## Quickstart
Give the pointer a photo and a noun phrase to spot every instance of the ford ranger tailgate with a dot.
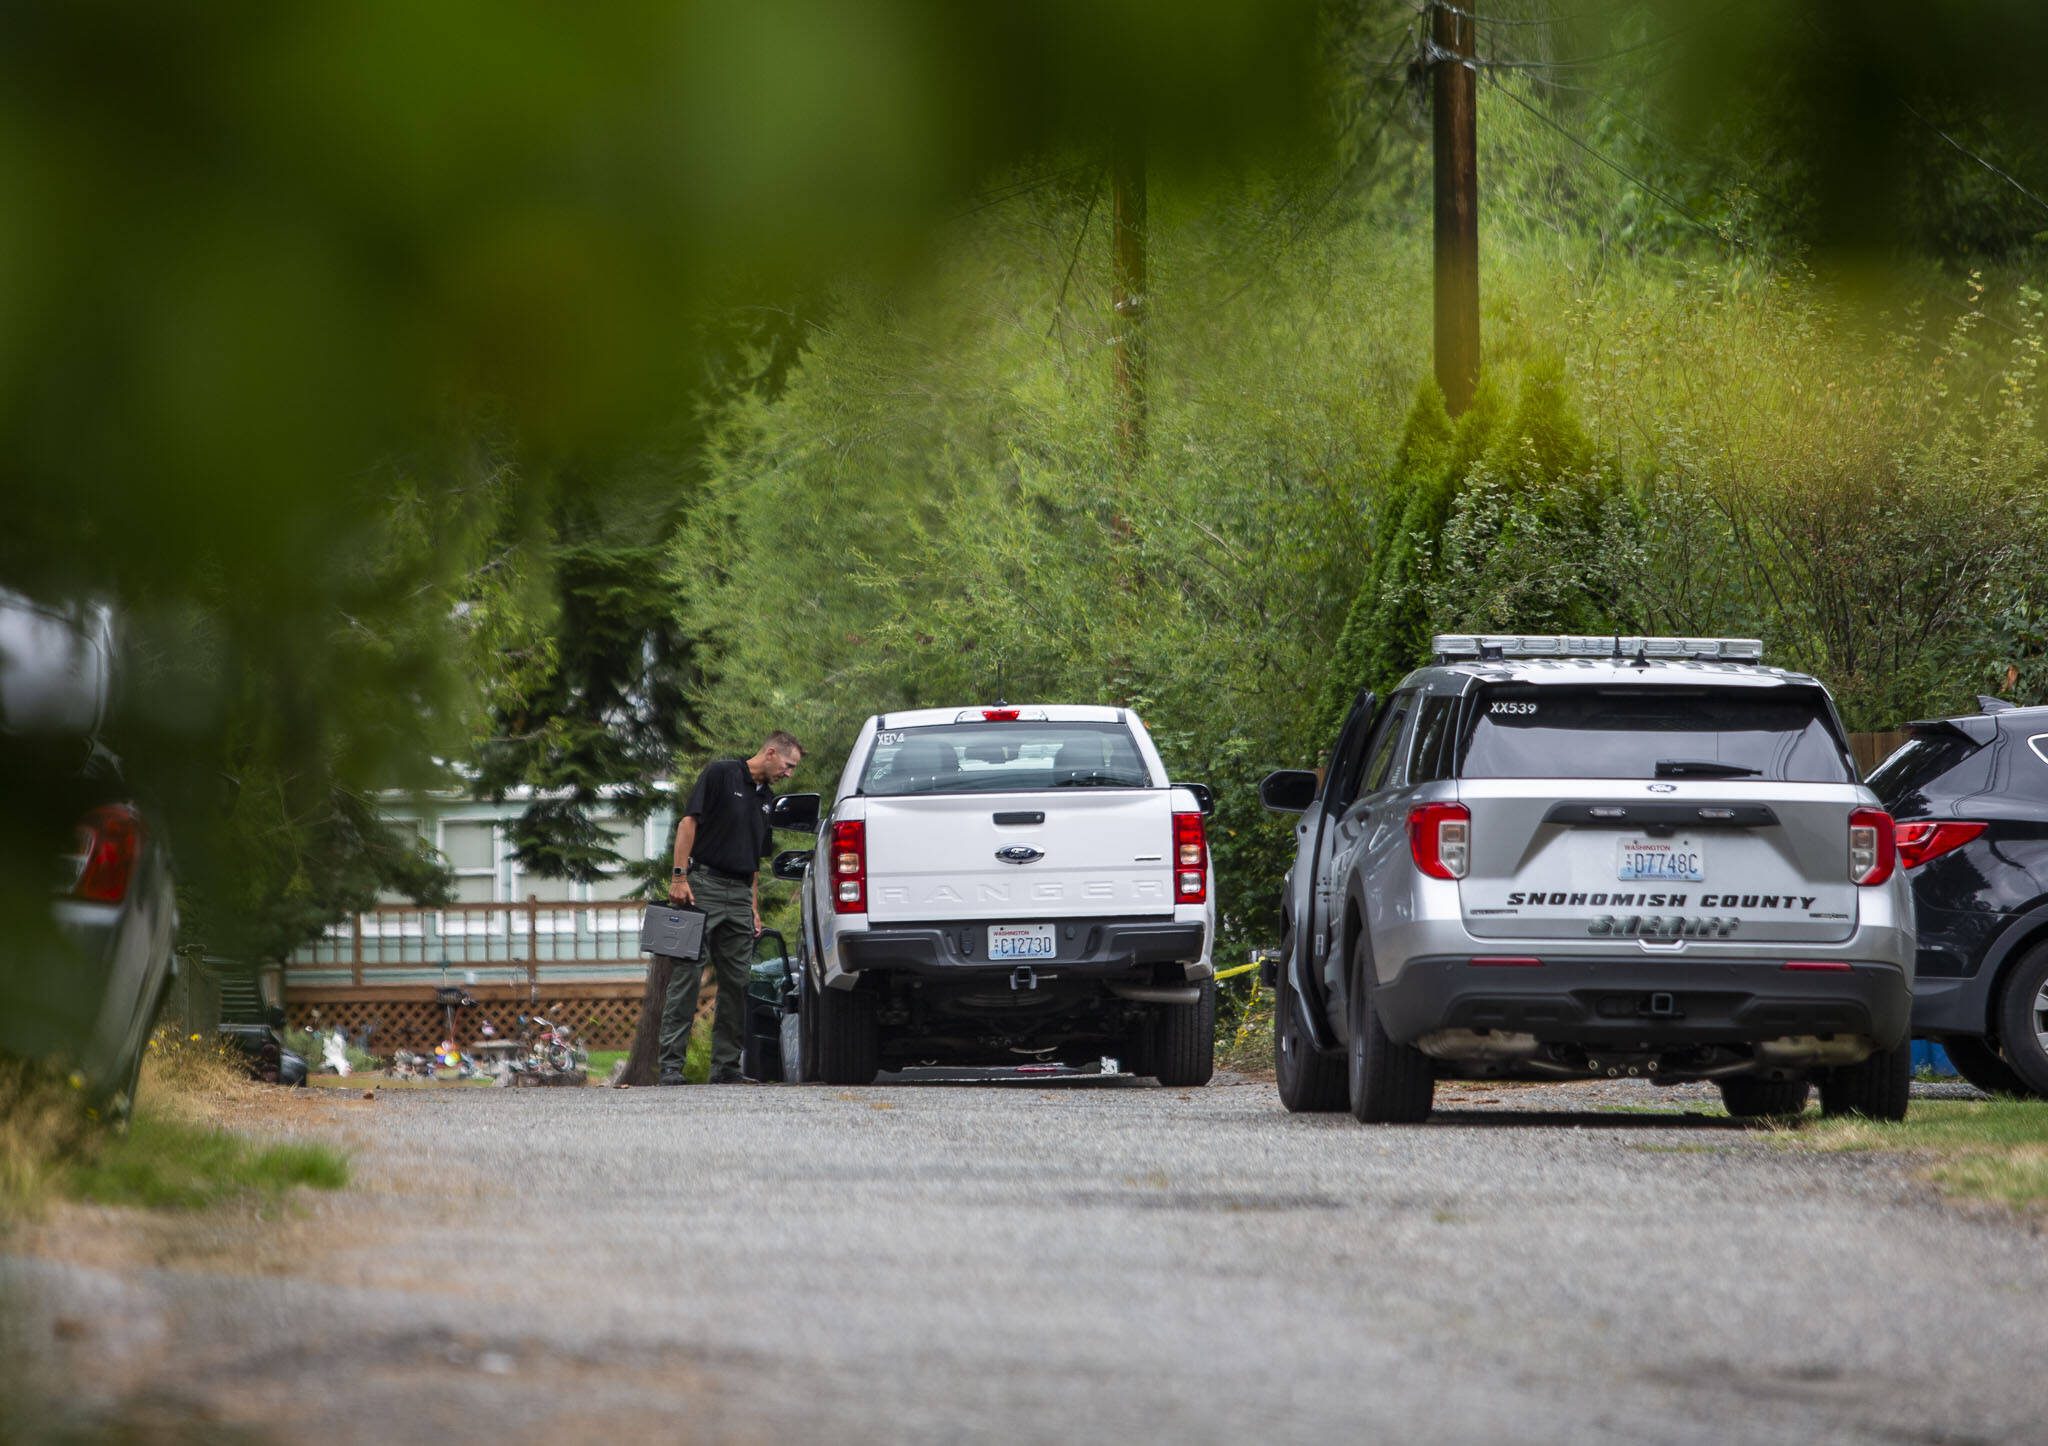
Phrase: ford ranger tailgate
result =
(1058, 854)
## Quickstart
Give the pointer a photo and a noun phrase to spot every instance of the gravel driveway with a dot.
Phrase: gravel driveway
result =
(1050, 1262)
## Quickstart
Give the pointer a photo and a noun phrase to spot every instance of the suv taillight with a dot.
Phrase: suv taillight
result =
(1190, 859)
(849, 867)
(109, 844)
(1921, 843)
(1440, 838)
(1873, 847)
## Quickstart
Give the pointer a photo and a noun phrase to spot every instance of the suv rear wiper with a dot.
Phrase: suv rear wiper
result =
(1702, 768)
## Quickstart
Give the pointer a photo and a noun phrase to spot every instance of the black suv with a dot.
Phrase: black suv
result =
(1971, 799)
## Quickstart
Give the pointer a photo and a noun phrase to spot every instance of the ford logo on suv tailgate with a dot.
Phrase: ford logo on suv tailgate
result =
(1019, 854)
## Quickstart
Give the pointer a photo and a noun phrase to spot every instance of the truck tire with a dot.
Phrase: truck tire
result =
(1976, 1061)
(1311, 1082)
(1763, 1099)
(2022, 1019)
(1183, 1045)
(848, 1037)
(1388, 1083)
(1878, 1089)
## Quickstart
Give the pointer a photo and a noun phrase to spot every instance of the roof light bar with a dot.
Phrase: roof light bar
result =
(1454, 647)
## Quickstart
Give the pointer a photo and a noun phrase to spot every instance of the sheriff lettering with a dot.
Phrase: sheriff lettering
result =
(1659, 926)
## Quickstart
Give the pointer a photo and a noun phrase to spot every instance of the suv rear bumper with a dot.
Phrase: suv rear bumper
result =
(1108, 948)
(1613, 1001)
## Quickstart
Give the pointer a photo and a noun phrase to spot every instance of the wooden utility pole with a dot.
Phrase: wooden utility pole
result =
(1127, 293)
(1457, 205)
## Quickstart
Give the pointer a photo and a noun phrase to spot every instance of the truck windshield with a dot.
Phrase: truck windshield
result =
(1784, 735)
(1002, 758)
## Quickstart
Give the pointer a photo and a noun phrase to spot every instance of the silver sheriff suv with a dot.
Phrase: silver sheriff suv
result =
(1577, 857)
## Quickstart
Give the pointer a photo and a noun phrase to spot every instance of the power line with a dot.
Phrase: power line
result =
(1301, 227)
(1521, 20)
(1672, 201)
(1013, 190)
(2003, 175)
(1588, 62)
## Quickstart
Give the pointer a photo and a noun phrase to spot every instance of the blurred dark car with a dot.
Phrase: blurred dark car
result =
(1970, 795)
(83, 974)
(252, 1020)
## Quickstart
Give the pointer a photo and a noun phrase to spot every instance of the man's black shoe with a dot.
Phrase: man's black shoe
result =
(671, 1077)
(731, 1076)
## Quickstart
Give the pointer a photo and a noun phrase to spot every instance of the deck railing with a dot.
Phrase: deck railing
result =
(531, 934)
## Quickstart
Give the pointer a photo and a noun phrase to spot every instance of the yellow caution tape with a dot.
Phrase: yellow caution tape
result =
(1240, 969)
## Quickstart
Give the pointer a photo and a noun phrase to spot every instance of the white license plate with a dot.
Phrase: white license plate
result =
(1662, 860)
(1021, 941)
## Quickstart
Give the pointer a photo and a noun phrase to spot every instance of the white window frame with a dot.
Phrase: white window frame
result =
(464, 924)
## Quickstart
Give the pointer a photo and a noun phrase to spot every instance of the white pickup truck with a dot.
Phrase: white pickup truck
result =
(1003, 885)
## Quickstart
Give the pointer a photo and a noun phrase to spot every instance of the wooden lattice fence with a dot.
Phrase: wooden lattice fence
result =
(602, 1015)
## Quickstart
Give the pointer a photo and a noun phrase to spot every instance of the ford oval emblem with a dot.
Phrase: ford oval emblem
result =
(1663, 788)
(1019, 854)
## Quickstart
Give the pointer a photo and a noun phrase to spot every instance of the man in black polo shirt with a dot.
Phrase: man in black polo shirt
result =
(720, 842)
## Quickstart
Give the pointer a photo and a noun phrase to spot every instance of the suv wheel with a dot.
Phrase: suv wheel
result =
(2023, 1020)
(1763, 1099)
(848, 1037)
(1184, 1040)
(1311, 1082)
(1983, 1066)
(1391, 1084)
(1877, 1089)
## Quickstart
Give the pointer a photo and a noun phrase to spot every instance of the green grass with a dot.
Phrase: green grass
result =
(1977, 1149)
(164, 1163)
(696, 1062)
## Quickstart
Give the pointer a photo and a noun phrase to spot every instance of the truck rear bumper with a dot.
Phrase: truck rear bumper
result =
(1108, 948)
(1613, 1001)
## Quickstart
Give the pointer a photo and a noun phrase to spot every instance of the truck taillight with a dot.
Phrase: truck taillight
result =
(1921, 843)
(1440, 839)
(849, 867)
(1190, 859)
(1873, 847)
(109, 845)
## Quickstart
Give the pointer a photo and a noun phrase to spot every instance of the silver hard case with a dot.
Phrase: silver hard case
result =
(676, 930)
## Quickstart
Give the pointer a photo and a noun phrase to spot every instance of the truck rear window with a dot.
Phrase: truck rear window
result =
(1002, 758)
(1530, 731)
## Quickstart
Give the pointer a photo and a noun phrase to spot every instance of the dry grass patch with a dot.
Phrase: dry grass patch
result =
(1244, 1032)
(1975, 1149)
(180, 1150)
(44, 1122)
